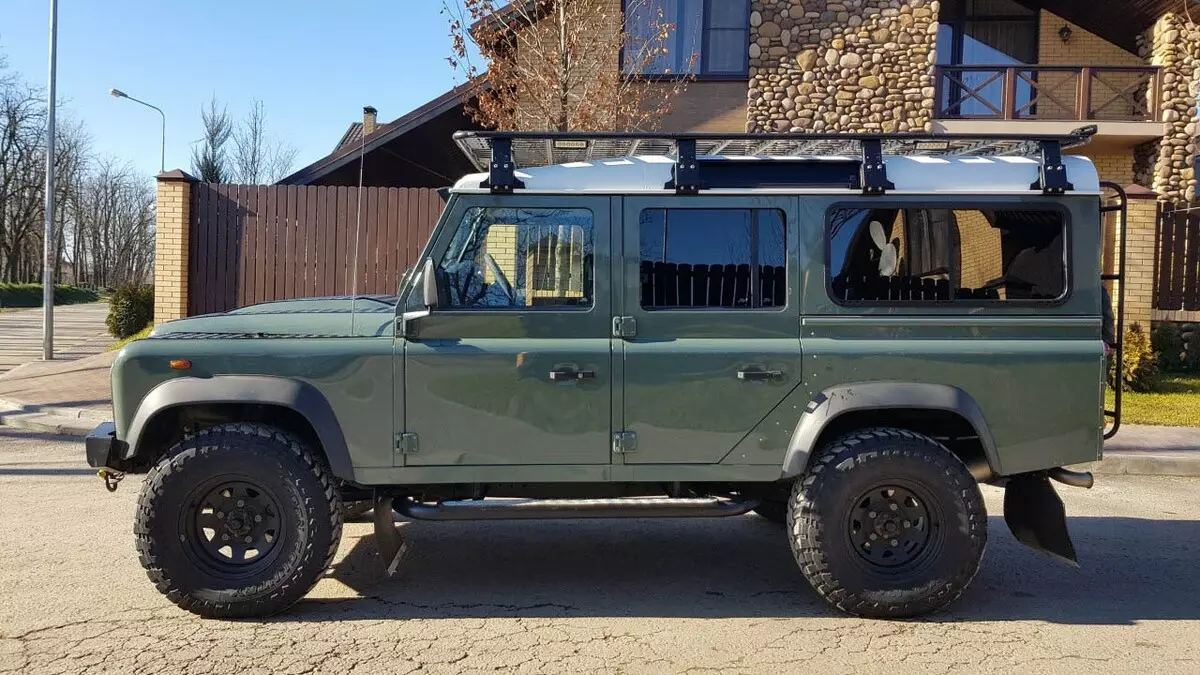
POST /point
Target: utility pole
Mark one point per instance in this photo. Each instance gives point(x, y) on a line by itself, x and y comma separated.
point(48, 249)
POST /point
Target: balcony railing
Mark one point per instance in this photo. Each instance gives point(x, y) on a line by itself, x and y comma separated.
point(1110, 93)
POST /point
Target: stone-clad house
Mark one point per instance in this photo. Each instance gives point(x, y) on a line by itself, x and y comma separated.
point(982, 66)
point(1130, 67)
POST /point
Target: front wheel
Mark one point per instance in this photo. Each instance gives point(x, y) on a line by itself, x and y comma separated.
point(239, 520)
point(887, 524)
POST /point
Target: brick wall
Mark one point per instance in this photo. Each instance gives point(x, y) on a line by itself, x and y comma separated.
point(982, 258)
point(1060, 91)
point(172, 203)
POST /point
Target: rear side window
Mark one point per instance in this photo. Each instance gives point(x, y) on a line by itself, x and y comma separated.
point(713, 258)
point(923, 255)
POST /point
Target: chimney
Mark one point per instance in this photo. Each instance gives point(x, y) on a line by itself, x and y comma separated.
point(369, 114)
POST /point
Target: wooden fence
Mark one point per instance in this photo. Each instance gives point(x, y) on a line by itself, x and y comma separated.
point(1177, 264)
point(256, 243)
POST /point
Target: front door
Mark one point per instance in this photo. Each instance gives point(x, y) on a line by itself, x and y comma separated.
point(515, 364)
point(715, 321)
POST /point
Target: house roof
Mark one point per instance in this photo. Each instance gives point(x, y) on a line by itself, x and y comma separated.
point(354, 134)
point(387, 139)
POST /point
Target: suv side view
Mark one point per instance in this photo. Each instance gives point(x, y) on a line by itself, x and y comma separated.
point(843, 344)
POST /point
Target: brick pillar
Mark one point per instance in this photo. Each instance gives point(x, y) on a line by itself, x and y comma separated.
point(173, 206)
point(1142, 221)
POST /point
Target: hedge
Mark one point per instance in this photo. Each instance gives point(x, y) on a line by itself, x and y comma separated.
point(130, 309)
point(30, 295)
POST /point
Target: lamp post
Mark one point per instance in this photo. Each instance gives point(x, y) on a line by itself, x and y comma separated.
point(48, 250)
point(162, 164)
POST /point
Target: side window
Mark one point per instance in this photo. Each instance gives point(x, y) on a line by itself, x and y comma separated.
point(946, 255)
point(706, 258)
point(517, 258)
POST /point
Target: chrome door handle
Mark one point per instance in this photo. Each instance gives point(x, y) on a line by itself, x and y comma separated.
point(759, 375)
point(569, 375)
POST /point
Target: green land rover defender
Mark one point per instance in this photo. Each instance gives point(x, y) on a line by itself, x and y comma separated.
point(844, 334)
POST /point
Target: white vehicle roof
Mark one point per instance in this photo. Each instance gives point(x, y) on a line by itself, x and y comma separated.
point(922, 174)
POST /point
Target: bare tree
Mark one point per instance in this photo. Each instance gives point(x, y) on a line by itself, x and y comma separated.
point(210, 161)
point(563, 64)
point(114, 212)
point(257, 158)
point(104, 218)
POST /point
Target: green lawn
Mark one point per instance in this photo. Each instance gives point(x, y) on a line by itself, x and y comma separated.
point(1175, 404)
point(136, 336)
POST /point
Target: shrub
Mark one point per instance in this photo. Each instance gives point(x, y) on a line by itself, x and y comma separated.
point(1139, 367)
point(1191, 350)
point(30, 295)
point(130, 309)
point(1177, 346)
point(1167, 340)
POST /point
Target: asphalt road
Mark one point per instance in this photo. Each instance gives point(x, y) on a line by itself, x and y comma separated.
point(647, 596)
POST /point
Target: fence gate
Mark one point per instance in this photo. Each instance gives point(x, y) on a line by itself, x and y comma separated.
point(256, 243)
point(1177, 264)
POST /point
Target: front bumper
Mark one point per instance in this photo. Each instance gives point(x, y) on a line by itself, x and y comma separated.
point(103, 448)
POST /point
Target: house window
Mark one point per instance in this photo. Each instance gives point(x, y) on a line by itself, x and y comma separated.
point(713, 258)
point(678, 37)
point(985, 33)
point(928, 255)
point(516, 258)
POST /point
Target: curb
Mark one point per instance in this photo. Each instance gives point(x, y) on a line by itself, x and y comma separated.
point(1147, 463)
point(48, 419)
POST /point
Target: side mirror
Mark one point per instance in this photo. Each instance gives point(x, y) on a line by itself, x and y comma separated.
point(429, 284)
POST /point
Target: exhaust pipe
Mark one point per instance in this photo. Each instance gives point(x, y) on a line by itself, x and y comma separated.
point(1079, 479)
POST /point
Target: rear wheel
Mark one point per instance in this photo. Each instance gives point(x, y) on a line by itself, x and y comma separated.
point(887, 524)
point(239, 520)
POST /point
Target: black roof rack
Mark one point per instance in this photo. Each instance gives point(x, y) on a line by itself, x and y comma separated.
point(501, 152)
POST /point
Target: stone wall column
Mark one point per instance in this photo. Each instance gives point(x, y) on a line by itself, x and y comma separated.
point(1142, 224)
point(173, 208)
point(1174, 44)
point(842, 65)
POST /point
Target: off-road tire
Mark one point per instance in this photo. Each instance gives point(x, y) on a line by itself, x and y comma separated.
point(309, 518)
point(774, 511)
point(825, 509)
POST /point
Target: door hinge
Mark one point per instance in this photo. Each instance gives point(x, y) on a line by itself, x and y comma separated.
point(406, 443)
point(623, 442)
point(624, 326)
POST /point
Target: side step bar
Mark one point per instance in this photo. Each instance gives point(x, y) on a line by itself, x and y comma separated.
point(524, 509)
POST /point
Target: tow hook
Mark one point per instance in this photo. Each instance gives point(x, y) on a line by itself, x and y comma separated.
point(111, 478)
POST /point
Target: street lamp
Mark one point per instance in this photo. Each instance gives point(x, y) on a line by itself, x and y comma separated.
point(117, 93)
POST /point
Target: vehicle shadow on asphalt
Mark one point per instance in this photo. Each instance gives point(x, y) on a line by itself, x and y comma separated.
point(1131, 570)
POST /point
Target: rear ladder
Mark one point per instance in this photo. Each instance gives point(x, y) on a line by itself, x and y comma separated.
point(1118, 206)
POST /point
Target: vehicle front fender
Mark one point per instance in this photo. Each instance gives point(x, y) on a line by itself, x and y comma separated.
point(297, 395)
point(831, 403)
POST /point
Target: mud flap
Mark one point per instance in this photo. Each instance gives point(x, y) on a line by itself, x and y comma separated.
point(1036, 516)
point(387, 535)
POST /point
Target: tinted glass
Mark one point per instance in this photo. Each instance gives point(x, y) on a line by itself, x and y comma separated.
point(944, 255)
point(507, 258)
point(698, 258)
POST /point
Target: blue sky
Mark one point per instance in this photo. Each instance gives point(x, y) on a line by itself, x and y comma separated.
point(313, 64)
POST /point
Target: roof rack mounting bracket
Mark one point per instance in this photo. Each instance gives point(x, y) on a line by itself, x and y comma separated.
point(873, 171)
point(1052, 174)
point(685, 177)
point(502, 178)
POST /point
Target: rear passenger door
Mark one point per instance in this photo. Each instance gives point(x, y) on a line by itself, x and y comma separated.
point(710, 320)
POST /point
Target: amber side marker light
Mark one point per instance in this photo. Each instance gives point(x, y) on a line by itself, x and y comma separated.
point(180, 364)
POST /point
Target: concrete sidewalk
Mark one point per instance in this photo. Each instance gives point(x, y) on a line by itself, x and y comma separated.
point(79, 331)
point(71, 398)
